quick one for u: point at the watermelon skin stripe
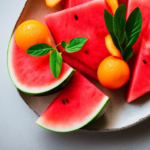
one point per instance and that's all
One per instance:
(35, 90)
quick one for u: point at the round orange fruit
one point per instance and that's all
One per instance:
(113, 72)
(31, 32)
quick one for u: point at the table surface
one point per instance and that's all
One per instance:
(18, 130)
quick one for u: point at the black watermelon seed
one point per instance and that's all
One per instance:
(67, 100)
(86, 52)
(63, 101)
(76, 17)
(144, 61)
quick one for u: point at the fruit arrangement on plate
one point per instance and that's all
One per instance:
(106, 40)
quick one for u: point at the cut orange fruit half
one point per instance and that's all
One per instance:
(113, 5)
(111, 47)
(52, 3)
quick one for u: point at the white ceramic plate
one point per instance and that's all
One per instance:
(120, 115)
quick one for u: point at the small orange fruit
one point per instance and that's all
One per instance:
(31, 32)
(113, 72)
(111, 47)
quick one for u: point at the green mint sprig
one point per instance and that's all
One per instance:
(55, 63)
(39, 49)
(124, 33)
(56, 60)
(74, 45)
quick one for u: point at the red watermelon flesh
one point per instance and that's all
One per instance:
(123, 2)
(86, 20)
(72, 3)
(140, 79)
(32, 74)
(74, 107)
(144, 6)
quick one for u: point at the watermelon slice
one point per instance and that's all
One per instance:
(86, 20)
(144, 6)
(32, 75)
(78, 104)
(140, 79)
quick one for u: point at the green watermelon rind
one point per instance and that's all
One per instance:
(96, 116)
(57, 88)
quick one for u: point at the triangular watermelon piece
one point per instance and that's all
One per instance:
(144, 6)
(86, 20)
(140, 79)
(78, 104)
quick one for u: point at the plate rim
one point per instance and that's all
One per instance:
(84, 130)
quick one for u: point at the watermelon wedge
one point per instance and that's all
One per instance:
(144, 6)
(32, 75)
(78, 104)
(140, 79)
(86, 20)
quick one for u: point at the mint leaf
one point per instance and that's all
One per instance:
(119, 23)
(125, 39)
(75, 44)
(124, 34)
(133, 26)
(55, 63)
(39, 49)
(63, 44)
(128, 52)
(109, 24)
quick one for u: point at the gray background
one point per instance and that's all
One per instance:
(17, 128)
